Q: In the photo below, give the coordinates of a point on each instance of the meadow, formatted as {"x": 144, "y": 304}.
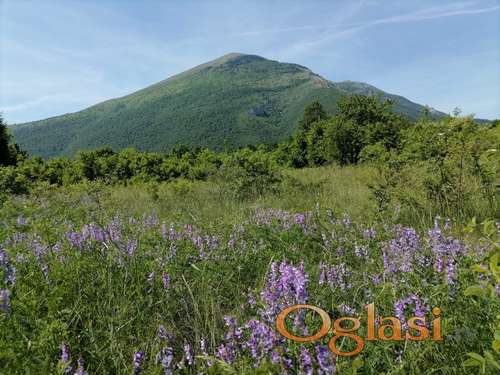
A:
{"x": 128, "y": 262}
{"x": 183, "y": 278}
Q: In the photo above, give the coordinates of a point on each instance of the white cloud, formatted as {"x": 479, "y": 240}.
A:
{"x": 347, "y": 30}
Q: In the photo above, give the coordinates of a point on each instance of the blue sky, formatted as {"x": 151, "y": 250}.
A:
{"x": 62, "y": 56}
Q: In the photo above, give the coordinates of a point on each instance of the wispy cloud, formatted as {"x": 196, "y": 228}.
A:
{"x": 449, "y": 10}
{"x": 348, "y": 29}
{"x": 434, "y": 13}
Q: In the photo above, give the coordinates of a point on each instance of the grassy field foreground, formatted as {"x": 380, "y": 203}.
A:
{"x": 181, "y": 277}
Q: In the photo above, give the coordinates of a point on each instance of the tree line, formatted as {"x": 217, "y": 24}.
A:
{"x": 447, "y": 153}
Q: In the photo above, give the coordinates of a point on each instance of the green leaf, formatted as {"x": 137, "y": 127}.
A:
{"x": 475, "y": 290}
{"x": 497, "y": 335}
{"x": 476, "y": 356}
{"x": 494, "y": 265}
{"x": 491, "y": 360}
{"x": 489, "y": 228}
{"x": 496, "y": 346}
{"x": 471, "y": 227}
{"x": 480, "y": 269}
{"x": 478, "y": 360}
{"x": 471, "y": 363}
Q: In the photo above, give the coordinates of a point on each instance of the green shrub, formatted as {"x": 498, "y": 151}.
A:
{"x": 247, "y": 174}
{"x": 13, "y": 182}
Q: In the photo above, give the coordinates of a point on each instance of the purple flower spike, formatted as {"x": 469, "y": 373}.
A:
{"x": 163, "y": 333}
{"x": 203, "y": 350}
{"x": 188, "y": 353}
{"x": 326, "y": 362}
{"x": 4, "y": 300}
{"x": 66, "y": 358}
{"x": 167, "y": 360}
{"x": 131, "y": 247}
{"x": 81, "y": 370}
{"x": 137, "y": 361}
{"x": 286, "y": 286}
{"x": 8, "y": 268}
{"x": 166, "y": 280}
{"x": 306, "y": 367}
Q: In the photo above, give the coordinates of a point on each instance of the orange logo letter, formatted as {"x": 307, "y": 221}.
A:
{"x": 280, "y": 323}
{"x": 346, "y": 332}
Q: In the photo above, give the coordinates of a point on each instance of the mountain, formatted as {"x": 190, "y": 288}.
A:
{"x": 233, "y": 101}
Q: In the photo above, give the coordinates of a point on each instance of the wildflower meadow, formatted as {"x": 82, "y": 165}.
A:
{"x": 145, "y": 263}
{"x": 92, "y": 284}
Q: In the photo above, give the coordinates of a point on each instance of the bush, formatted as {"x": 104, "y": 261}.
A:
{"x": 247, "y": 174}
{"x": 12, "y": 182}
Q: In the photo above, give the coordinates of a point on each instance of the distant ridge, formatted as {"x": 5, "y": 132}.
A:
{"x": 232, "y": 101}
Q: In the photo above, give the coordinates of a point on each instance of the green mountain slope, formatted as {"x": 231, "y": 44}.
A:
{"x": 233, "y": 101}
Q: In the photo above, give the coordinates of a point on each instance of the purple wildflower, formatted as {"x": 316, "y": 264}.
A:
{"x": 322, "y": 273}
{"x": 40, "y": 251}
{"x": 446, "y": 251}
{"x": 114, "y": 230}
{"x": 275, "y": 357}
{"x": 167, "y": 360}
{"x": 346, "y": 221}
{"x": 166, "y": 280}
{"x": 232, "y": 240}
{"x": 96, "y": 233}
{"x": 400, "y": 306}
{"x": 400, "y": 252}
{"x": 286, "y": 285}
{"x": 173, "y": 250}
{"x": 326, "y": 362}
{"x": 150, "y": 221}
{"x": 188, "y": 353}
{"x": 376, "y": 279}
{"x": 305, "y": 358}
{"x": 203, "y": 350}
{"x": 66, "y": 358}
{"x": 131, "y": 247}
{"x": 137, "y": 361}
{"x": 8, "y": 268}
{"x": 4, "y": 300}
{"x": 337, "y": 276}
{"x": 171, "y": 233}
{"x": 360, "y": 251}
{"x": 345, "y": 309}
{"x": 251, "y": 298}
{"x": 57, "y": 247}
{"x": 300, "y": 219}
{"x": 226, "y": 352}
{"x": 81, "y": 369}
{"x": 76, "y": 239}
{"x": 163, "y": 333}
{"x": 369, "y": 234}
{"x": 261, "y": 341}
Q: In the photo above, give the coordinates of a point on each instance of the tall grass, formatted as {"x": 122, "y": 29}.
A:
{"x": 106, "y": 297}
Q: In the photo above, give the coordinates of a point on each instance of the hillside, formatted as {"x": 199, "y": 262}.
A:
{"x": 232, "y": 101}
